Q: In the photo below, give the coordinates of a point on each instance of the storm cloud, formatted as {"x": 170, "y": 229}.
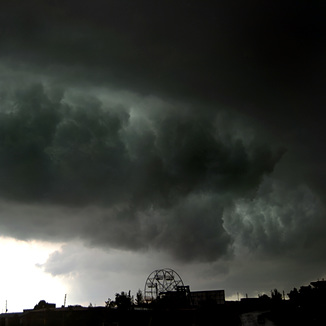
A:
{"x": 161, "y": 179}
{"x": 189, "y": 129}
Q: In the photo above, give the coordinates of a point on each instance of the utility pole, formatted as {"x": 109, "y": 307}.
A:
{"x": 6, "y": 306}
{"x": 64, "y": 302}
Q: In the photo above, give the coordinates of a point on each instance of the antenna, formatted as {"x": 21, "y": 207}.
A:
{"x": 64, "y": 302}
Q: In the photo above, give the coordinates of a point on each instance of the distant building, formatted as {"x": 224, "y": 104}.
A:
{"x": 199, "y": 298}
{"x": 177, "y": 299}
{"x": 44, "y": 305}
{"x": 263, "y": 302}
{"x": 184, "y": 297}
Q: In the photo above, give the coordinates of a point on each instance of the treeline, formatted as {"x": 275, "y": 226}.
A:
{"x": 306, "y": 306}
{"x": 125, "y": 301}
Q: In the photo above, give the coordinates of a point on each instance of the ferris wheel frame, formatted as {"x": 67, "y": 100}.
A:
{"x": 161, "y": 281}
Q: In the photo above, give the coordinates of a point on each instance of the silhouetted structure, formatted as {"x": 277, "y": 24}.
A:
{"x": 204, "y": 298}
{"x": 101, "y": 316}
{"x": 174, "y": 299}
{"x": 263, "y": 302}
{"x": 319, "y": 285}
{"x": 161, "y": 281}
{"x": 180, "y": 306}
{"x": 44, "y": 305}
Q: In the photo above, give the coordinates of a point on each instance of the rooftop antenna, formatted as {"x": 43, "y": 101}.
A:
{"x": 64, "y": 302}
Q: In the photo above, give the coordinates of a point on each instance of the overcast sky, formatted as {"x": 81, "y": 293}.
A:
{"x": 138, "y": 135}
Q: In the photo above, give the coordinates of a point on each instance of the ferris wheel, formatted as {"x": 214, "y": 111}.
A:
{"x": 161, "y": 281}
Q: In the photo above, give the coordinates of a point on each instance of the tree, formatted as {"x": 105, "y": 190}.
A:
{"x": 139, "y": 298}
{"x": 123, "y": 300}
{"x": 294, "y": 295}
{"x": 276, "y": 296}
{"x": 109, "y": 303}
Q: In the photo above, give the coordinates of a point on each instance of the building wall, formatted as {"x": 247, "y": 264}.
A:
{"x": 205, "y": 297}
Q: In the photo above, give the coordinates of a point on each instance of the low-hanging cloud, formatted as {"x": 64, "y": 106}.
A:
{"x": 121, "y": 177}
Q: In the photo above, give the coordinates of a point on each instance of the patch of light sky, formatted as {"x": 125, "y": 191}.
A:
{"x": 23, "y": 282}
{"x": 27, "y": 273}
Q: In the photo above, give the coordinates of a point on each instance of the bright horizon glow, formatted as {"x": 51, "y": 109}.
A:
{"x": 22, "y": 283}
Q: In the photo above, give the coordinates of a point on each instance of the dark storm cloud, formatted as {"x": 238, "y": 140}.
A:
{"x": 89, "y": 153}
{"x": 189, "y": 180}
{"x": 232, "y": 52}
{"x": 163, "y": 184}
{"x": 44, "y": 142}
{"x": 264, "y": 60}
{"x": 280, "y": 221}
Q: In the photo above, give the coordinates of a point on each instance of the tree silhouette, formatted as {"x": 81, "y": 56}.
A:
{"x": 276, "y": 295}
{"x": 110, "y": 303}
{"x": 139, "y": 298}
{"x": 123, "y": 300}
{"x": 294, "y": 296}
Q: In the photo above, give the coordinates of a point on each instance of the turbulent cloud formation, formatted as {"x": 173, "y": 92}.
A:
{"x": 186, "y": 128}
{"x": 161, "y": 180}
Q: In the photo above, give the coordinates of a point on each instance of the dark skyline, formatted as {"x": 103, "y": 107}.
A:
{"x": 179, "y": 134}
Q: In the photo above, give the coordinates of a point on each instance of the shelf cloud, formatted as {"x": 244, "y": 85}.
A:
{"x": 187, "y": 129}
